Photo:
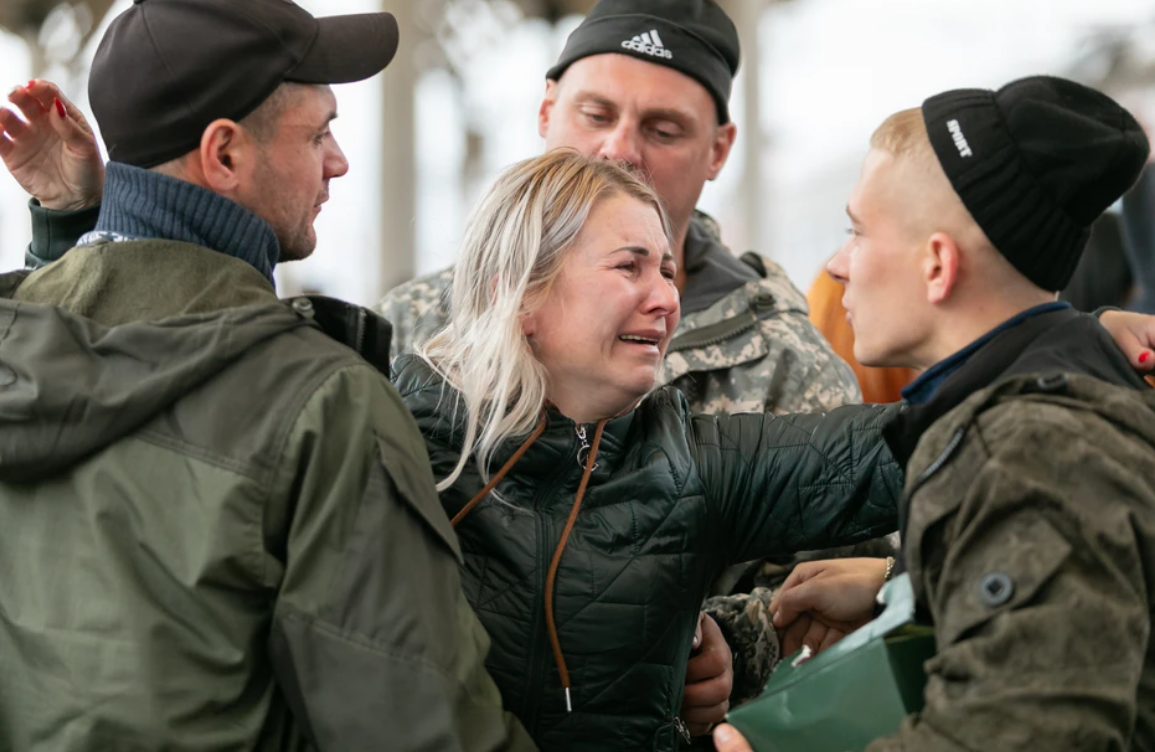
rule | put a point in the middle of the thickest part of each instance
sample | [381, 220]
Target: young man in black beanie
[1029, 441]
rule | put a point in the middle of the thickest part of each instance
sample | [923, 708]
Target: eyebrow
[665, 113]
[637, 250]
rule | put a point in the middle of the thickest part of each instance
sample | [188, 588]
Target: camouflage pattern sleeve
[417, 310]
[801, 372]
[757, 351]
[745, 623]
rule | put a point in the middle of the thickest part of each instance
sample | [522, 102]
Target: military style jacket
[220, 530]
[1029, 533]
[673, 498]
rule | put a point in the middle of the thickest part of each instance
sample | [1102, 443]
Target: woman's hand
[52, 152]
[1134, 333]
[709, 678]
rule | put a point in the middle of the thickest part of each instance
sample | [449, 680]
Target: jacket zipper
[683, 730]
[532, 705]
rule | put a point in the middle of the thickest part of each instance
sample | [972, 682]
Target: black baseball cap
[166, 69]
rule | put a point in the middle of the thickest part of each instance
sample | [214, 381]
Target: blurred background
[460, 102]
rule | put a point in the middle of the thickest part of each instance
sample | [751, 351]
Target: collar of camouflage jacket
[712, 271]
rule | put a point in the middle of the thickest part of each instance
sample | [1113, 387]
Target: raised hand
[1134, 333]
[51, 152]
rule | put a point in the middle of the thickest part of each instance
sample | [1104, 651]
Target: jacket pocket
[1004, 571]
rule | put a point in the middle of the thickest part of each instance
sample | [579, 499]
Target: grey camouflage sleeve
[745, 623]
[801, 373]
[417, 310]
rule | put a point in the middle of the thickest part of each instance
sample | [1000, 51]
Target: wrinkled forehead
[626, 82]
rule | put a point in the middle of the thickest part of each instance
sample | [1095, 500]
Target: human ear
[724, 136]
[528, 324]
[223, 156]
[545, 111]
[940, 267]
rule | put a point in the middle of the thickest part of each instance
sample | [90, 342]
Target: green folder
[856, 691]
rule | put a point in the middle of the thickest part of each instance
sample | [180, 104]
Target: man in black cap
[220, 529]
[1029, 441]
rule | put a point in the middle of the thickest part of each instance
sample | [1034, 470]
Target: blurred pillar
[747, 16]
[398, 209]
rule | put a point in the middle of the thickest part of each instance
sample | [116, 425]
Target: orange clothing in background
[827, 313]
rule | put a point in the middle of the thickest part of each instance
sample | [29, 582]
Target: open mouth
[635, 339]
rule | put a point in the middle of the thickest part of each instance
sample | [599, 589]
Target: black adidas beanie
[1035, 163]
[694, 37]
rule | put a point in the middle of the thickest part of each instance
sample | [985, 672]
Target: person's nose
[623, 144]
[336, 165]
[838, 267]
[662, 297]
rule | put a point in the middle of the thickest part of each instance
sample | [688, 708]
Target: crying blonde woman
[593, 510]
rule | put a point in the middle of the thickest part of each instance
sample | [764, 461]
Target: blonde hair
[904, 136]
[515, 242]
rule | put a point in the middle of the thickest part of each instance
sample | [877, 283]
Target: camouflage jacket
[1031, 543]
[1029, 534]
[750, 349]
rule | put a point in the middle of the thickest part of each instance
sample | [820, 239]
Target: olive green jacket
[219, 527]
[1029, 534]
[1031, 542]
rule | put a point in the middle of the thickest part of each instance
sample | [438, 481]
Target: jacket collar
[712, 272]
[424, 390]
[1058, 341]
[923, 388]
[160, 279]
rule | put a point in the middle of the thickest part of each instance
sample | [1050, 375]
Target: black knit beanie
[1035, 163]
[694, 37]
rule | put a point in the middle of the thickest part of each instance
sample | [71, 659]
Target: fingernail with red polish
[1144, 357]
[59, 107]
[30, 84]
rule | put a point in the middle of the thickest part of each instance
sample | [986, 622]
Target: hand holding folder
[856, 691]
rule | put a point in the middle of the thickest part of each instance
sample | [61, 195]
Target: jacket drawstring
[591, 462]
[500, 473]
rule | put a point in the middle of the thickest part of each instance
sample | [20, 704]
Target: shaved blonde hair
[934, 203]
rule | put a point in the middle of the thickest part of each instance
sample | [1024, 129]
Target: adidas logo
[650, 44]
[960, 141]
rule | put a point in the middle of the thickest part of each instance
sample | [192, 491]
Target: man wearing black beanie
[1029, 441]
